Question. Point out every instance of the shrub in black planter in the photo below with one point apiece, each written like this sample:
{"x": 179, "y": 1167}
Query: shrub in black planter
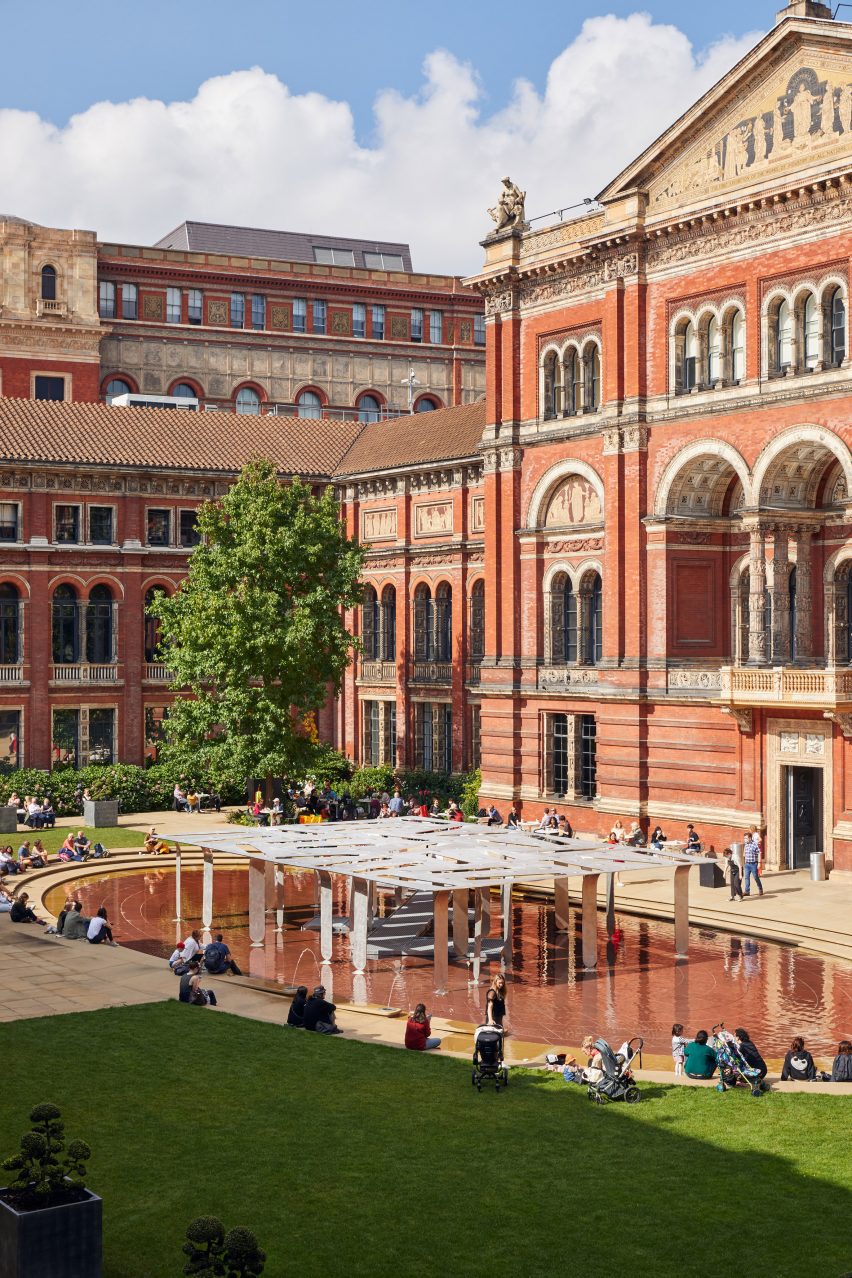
{"x": 215, "y": 1254}
{"x": 49, "y": 1222}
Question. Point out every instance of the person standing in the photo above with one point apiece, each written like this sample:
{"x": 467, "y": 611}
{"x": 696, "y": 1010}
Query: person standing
{"x": 396, "y": 805}
{"x": 418, "y": 1031}
{"x": 495, "y": 1003}
{"x": 751, "y": 857}
{"x": 732, "y": 874}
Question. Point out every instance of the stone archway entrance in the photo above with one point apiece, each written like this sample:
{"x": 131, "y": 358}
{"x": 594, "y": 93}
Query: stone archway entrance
{"x": 800, "y": 799}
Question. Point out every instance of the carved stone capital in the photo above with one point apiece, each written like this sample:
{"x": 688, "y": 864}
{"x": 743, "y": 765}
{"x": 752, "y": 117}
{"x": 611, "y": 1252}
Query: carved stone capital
{"x": 510, "y": 458}
{"x": 634, "y": 439}
{"x": 502, "y": 302}
{"x": 843, "y": 721}
{"x": 612, "y": 440}
{"x": 744, "y": 717}
{"x": 490, "y": 460}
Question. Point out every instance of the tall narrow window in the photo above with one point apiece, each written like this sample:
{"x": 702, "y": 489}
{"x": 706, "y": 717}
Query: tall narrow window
{"x": 479, "y": 330}
{"x": 791, "y": 603}
{"x": 65, "y": 630}
{"x": 388, "y": 652}
{"x": 390, "y": 733}
{"x": 784, "y": 336}
{"x": 188, "y": 534}
{"x": 106, "y": 299}
{"x": 129, "y": 301}
{"x": 594, "y": 636}
{"x": 569, "y": 622}
{"x": 477, "y": 621}
{"x": 173, "y": 306}
{"x": 436, "y": 327}
{"x": 810, "y": 327}
{"x": 48, "y": 283}
{"x": 714, "y": 351}
{"x": 370, "y": 624}
{"x": 837, "y": 315}
{"x": 690, "y": 357}
{"x": 151, "y": 627}
{"x": 300, "y": 315}
{"x": 10, "y": 738}
{"x": 359, "y": 320}
{"x": 560, "y": 753}
{"x": 101, "y": 736}
{"x": 195, "y": 306}
{"x": 592, "y": 377}
{"x": 319, "y": 316}
{"x": 67, "y": 524}
{"x": 378, "y": 323}
{"x": 588, "y": 756}
{"x": 416, "y": 324}
{"x": 10, "y": 649}
{"x": 443, "y": 623}
{"x": 101, "y": 530}
{"x": 573, "y": 383}
{"x": 238, "y": 310}
{"x": 737, "y": 347}
{"x": 258, "y": 311}
{"x": 66, "y": 738}
{"x": 159, "y": 527}
{"x": 424, "y": 627}
{"x": 9, "y": 521}
{"x": 99, "y": 627}
{"x": 552, "y": 386}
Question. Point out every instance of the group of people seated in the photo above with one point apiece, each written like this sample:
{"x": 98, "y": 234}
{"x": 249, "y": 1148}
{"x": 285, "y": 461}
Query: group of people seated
{"x": 37, "y": 813}
{"x": 313, "y": 1012}
{"x": 697, "y": 1058}
{"x": 193, "y": 798}
{"x": 27, "y": 858}
{"x": 190, "y": 959}
{"x": 74, "y": 925}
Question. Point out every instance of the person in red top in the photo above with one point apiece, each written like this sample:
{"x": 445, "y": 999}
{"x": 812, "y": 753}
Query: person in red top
{"x": 418, "y": 1029}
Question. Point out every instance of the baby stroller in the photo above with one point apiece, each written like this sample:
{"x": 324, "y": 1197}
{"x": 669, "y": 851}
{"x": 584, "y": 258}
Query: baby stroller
{"x": 488, "y": 1058}
{"x": 733, "y": 1067}
{"x": 616, "y": 1082}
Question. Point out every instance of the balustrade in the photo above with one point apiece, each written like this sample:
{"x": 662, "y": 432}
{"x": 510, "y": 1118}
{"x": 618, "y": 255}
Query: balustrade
{"x": 83, "y": 672}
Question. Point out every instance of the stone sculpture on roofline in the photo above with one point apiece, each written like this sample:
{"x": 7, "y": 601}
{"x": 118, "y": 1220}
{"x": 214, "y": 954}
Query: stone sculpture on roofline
{"x": 508, "y": 212}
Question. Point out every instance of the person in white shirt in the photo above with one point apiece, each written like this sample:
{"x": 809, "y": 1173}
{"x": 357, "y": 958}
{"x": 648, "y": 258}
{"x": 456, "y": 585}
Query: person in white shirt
{"x": 544, "y": 823}
{"x": 99, "y": 929}
{"x": 191, "y": 946}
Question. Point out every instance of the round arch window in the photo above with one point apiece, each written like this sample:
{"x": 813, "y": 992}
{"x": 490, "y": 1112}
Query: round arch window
{"x": 425, "y": 405}
{"x": 183, "y": 390}
{"x": 309, "y": 404}
{"x": 248, "y": 401}
{"x": 116, "y": 386}
{"x": 369, "y": 409}
{"x": 48, "y": 283}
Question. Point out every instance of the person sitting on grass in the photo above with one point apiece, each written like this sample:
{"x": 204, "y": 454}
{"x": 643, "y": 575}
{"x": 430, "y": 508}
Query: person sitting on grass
{"x": 841, "y": 1070}
{"x": 798, "y": 1065}
{"x": 191, "y": 990}
{"x": 99, "y": 931}
{"x": 21, "y": 912}
{"x": 699, "y": 1060}
{"x": 418, "y": 1031}
{"x": 319, "y": 1015}
{"x": 296, "y": 1015}
{"x": 217, "y": 958}
{"x": 76, "y": 923}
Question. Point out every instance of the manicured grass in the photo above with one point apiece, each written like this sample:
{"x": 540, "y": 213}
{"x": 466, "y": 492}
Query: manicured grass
{"x": 117, "y": 836}
{"x": 349, "y": 1158}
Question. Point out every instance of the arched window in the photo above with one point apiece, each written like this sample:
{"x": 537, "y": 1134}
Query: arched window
{"x": 563, "y": 620}
{"x": 573, "y": 378}
{"x": 594, "y": 626}
{"x": 10, "y": 647}
{"x": 248, "y": 401}
{"x": 309, "y": 404}
{"x": 444, "y": 622}
{"x": 783, "y": 336}
{"x": 369, "y": 409}
{"x": 425, "y": 405}
{"x": 388, "y": 636}
{"x": 592, "y": 378}
{"x": 370, "y": 624}
{"x": 477, "y": 620}
{"x": 836, "y": 326}
{"x": 48, "y": 283}
{"x": 99, "y": 628}
{"x": 687, "y": 372}
{"x": 424, "y": 624}
{"x": 736, "y": 336}
{"x": 65, "y": 627}
{"x": 151, "y": 626}
{"x": 810, "y": 333}
{"x": 552, "y": 386}
{"x": 183, "y": 390}
{"x": 116, "y": 386}
{"x": 714, "y": 351}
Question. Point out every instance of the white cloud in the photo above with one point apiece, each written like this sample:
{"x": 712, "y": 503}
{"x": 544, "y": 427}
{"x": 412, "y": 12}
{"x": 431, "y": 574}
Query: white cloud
{"x": 249, "y": 151}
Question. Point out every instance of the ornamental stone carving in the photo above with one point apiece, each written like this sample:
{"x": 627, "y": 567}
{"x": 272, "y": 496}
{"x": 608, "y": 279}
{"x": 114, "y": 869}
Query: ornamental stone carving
{"x": 567, "y": 676}
{"x": 744, "y": 718}
{"x": 499, "y": 303}
{"x": 579, "y": 280}
{"x": 695, "y": 680}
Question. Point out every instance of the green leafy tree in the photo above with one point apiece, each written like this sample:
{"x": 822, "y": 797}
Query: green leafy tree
{"x": 255, "y": 633}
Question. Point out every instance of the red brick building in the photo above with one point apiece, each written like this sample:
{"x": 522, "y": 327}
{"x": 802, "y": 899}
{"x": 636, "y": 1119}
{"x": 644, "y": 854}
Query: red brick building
{"x": 621, "y": 583}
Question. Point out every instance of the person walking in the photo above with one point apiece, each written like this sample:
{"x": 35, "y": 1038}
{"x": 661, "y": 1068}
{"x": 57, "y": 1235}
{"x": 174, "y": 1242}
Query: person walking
{"x": 752, "y": 857}
{"x": 732, "y": 874}
{"x": 495, "y": 1003}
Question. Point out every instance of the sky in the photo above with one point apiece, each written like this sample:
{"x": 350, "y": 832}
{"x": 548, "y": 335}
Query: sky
{"x": 381, "y": 118}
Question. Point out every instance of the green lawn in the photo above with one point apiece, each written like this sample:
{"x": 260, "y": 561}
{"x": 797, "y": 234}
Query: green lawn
{"x": 347, "y": 1158}
{"x": 118, "y": 836}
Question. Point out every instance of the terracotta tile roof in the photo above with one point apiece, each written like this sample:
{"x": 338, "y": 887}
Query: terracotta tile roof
{"x": 173, "y": 439}
{"x": 443, "y": 435}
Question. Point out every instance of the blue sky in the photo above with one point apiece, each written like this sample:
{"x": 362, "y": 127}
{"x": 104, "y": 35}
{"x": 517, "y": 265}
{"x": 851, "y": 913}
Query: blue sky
{"x": 343, "y": 49}
{"x": 378, "y": 119}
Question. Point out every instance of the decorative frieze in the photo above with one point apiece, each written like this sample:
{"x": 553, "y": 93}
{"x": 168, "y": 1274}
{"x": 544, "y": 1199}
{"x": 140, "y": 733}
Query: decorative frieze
{"x": 582, "y": 279}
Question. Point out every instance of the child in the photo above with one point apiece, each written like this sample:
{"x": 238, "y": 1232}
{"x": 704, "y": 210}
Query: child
{"x": 732, "y": 872}
{"x": 678, "y": 1045}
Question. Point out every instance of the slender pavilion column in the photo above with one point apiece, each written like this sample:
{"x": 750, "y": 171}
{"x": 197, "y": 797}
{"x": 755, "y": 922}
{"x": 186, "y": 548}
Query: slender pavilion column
{"x": 479, "y": 895}
{"x": 178, "y": 916}
{"x": 441, "y": 902}
{"x": 681, "y": 910}
{"x": 506, "y": 903}
{"x": 360, "y": 917}
{"x": 804, "y": 597}
{"x": 461, "y": 928}
{"x": 207, "y": 893}
{"x": 257, "y": 901}
{"x": 780, "y": 596}
{"x": 325, "y": 901}
{"x": 756, "y": 587}
{"x": 562, "y": 900}
{"x": 279, "y": 898}
{"x": 590, "y": 921}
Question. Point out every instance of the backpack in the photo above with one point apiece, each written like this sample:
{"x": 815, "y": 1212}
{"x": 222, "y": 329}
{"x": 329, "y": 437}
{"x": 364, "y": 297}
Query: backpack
{"x": 212, "y": 957}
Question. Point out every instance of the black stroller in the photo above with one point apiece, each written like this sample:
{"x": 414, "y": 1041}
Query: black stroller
{"x": 616, "y": 1081}
{"x": 488, "y": 1058}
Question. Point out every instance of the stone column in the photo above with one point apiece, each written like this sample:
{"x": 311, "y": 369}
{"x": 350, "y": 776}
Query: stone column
{"x": 756, "y": 585}
{"x": 562, "y": 899}
{"x": 804, "y": 597}
{"x": 780, "y": 596}
{"x": 584, "y": 625}
{"x": 590, "y": 921}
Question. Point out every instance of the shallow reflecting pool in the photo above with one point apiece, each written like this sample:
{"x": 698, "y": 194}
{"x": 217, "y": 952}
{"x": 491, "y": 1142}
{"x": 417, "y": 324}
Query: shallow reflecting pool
{"x": 638, "y": 987}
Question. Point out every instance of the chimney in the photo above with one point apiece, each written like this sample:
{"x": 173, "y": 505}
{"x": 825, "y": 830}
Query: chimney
{"x": 804, "y": 9}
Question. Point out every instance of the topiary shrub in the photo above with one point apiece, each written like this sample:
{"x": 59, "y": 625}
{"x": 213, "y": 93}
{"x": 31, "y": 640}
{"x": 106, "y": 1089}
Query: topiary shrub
{"x": 212, "y": 1253}
{"x": 46, "y": 1174}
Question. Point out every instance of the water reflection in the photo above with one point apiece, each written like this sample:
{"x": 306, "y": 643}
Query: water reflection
{"x": 638, "y": 987}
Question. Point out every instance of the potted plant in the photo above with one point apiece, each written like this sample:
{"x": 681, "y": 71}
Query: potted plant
{"x": 215, "y": 1254}
{"x": 50, "y": 1224}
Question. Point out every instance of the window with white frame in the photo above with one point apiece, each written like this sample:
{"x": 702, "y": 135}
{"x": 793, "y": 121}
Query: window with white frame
{"x": 383, "y": 262}
{"x": 129, "y": 301}
{"x": 106, "y": 299}
{"x": 319, "y": 315}
{"x": 359, "y": 320}
{"x": 195, "y": 306}
{"x": 300, "y": 315}
{"x": 258, "y": 311}
{"x": 378, "y": 323}
{"x": 416, "y": 324}
{"x": 333, "y": 256}
{"x": 173, "y": 306}
{"x": 436, "y": 327}
{"x": 238, "y": 310}
{"x": 10, "y": 521}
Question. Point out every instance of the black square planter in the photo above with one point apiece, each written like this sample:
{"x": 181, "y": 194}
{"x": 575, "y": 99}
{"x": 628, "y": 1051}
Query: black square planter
{"x": 54, "y": 1242}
